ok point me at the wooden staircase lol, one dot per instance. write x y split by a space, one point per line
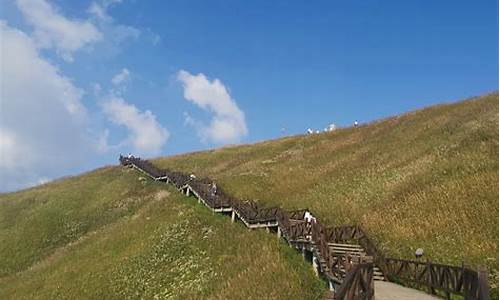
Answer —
354 250
314 236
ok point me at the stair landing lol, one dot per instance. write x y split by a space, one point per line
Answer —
385 290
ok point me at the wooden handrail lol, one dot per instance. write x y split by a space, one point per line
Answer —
467 282
357 284
464 281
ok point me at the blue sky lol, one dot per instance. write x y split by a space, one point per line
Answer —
193 75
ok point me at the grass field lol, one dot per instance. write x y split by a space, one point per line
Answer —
425 179
106 235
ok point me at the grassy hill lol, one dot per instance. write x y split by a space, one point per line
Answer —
107 235
427 178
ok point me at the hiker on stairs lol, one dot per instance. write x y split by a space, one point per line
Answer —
213 189
309 218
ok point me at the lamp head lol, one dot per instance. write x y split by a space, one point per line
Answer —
419 253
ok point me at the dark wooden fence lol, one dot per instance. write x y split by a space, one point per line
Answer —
356 277
439 279
357 284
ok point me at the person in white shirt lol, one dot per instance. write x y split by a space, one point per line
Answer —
356 123
192 176
310 131
309 218
213 189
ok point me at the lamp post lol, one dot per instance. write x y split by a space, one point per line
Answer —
419 253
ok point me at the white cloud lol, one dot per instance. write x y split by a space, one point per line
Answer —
121 77
115 33
45 130
146 135
96 89
100 10
228 121
52 29
43 124
102 143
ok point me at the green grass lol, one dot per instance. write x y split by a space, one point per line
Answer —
426 179
137 240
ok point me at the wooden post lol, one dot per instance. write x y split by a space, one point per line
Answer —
279 232
429 276
482 277
466 283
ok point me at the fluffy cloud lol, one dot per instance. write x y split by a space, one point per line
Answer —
146 135
43 122
52 29
45 130
121 77
228 121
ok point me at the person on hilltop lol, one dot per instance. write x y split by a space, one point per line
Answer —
331 127
356 123
129 155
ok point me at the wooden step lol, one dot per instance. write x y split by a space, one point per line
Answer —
347 249
345 245
340 251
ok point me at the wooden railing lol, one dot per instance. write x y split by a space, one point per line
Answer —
319 238
356 233
357 279
440 279
357 284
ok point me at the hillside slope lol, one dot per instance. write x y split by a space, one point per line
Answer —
426 179
108 235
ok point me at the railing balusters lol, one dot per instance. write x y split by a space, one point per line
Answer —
357 279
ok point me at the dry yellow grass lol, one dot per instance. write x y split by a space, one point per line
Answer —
426 179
